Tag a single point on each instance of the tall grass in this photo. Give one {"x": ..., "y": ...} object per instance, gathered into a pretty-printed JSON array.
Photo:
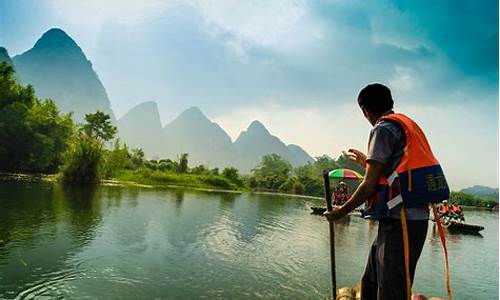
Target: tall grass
[{"x": 147, "y": 176}]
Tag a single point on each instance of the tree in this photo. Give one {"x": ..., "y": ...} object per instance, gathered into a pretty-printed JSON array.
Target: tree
[
  {"x": 183, "y": 163},
  {"x": 232, "y": 174},
  {"x": 200, "y": 170},
  {"x": 137, "y": 158},
  {"x": 33, "y": 133},
  {"x": 115, "y": 160},
  {"x": 214, "y": 171},
  {"x": 82, "y": 160},
  {"x": 325, "y": 162},
  {"x": 86, "y": 154},
  {"x": 310, "y": 176},
  {"x": 98, "y": 125},
  {"x": 272, "y": 172},
  {"x": 344, "y": 161}
]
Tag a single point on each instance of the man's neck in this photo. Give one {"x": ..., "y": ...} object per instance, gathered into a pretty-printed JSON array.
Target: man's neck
[{"x": 384, "y": 114}]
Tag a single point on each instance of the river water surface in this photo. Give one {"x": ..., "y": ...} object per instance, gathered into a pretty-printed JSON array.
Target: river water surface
[{"x": 137, "y": 243}]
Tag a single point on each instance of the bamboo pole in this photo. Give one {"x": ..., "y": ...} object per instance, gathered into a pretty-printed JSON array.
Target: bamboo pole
[{"x": 328, "y": 199}]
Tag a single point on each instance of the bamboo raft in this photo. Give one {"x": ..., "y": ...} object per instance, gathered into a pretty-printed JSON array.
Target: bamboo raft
[
  {"x": 354, "y": 293},
  {"x": 456, "y": 227}
]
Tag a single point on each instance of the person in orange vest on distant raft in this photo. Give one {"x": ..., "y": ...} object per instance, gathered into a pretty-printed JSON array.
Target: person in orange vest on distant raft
[
  {"x": 457, "y": 211},
  {"x": 340, "y": 194},
  {"x": 444, "y": 209},
  {"x": 402, "y": 177}
]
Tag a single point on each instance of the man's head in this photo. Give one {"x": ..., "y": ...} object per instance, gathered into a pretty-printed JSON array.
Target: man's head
[{"x": 375, "y": 99}]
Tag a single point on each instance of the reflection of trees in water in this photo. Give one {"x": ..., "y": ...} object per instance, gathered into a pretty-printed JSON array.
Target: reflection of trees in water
[
  {"x": 83, "y": 205},
  {"x": 132, "y": 193},
  {"x": 179, "y": 197},
  {"x": 49, "y": 223},
  {"x": 113, "y": 195},
  {"x": 25, "y": 207},
  {"x": 227, "y": 200}
]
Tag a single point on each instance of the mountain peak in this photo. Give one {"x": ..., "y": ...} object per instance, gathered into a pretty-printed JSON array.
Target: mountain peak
[
  {"x": 147, "y": 105},
  {"x": 193, "y": 112},
  {"x": 257, "y": 127},
  {"x": 55, "y": 38},
  {"x": 148, "y": 108}
]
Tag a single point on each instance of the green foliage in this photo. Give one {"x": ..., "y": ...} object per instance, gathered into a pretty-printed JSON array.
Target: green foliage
[
  {"x": 98, "y": 125},
  {"x": 200, "y": 169},
  {"x": 87, "y": 160},
  {"x": 310, "y": 176},
  {"x": 82, "y": 160},
  {"x": 147, "y": 176},
  {"x": 214, "y": 171},
  {"x": 344, "y": 161},
  {"x": 271, "y": 173},
  {"x": 232, "y": 174},
  {"x": 325, "y": 162},
  {"x": 183, "y": 163},
  {"x": 292, "y": 185},
  {"x": 470, "y": 200},
  {"x": 137, "y": 158},
  {"x": 33, "y": 133},
  {"x": 115, "y": 160}
]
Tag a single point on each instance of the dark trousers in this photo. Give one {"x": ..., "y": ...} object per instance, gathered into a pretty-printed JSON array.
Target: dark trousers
[{"x": 384, "y": 277}]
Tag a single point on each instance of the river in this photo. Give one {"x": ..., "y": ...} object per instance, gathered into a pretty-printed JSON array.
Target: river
[{"x": 78, "y": 242}]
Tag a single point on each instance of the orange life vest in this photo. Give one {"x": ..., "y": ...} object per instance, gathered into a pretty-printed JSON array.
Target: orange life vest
[
  {"x": 417, "y": 180},
  {"x": 456, "y": 209}
]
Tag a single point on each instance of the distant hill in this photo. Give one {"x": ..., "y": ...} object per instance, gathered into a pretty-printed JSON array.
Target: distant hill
[
  {"x": 298, "y": 156},
  {"x": 58, "y": 69},
  {"x": 141, "y": 128},
  {"x": 482, "y": 191},
  {"x": 257, "y": 141},
  {"x": 205, "y": 141}
]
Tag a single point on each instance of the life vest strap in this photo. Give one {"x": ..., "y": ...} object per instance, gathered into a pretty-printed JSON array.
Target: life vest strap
[
  {"x": 442, "y": 236},
  {"x": 406, "y": 248}
]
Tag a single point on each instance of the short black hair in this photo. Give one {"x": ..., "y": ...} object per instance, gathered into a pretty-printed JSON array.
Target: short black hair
[{"x": 376, "y": 98}]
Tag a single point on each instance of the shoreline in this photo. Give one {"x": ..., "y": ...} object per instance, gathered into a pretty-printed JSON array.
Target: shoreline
[{"x": 52, "y": 178}]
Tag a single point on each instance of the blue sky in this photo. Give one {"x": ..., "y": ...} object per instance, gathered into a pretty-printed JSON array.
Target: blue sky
[{"x": 295, "y": 65}]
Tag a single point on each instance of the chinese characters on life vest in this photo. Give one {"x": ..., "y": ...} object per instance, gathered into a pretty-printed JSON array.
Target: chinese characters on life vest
[{"x": 435, "y": 182}]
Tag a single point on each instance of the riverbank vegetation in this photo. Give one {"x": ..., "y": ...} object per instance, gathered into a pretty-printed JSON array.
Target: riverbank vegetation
[
  {"x": 470, "y": 200},
  {"x": 37, "y": 138}
]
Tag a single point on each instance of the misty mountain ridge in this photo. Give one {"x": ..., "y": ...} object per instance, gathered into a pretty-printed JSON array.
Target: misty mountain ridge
[
  {"x": 482, "y": 191},
  {"x": 141, "y": 127},
  {"x": 257, "y": 141},
  {"x": 205, "y": 141},
  {"x": 58, "y": 69}
]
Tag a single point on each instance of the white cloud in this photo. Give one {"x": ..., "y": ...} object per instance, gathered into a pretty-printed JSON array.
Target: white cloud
[
  {"x": 404, "y": 80},
  {"x": 393, "y": 26},
  {"x": 96, "y": 11},
  {"x": 278, "y": 24},
  {"x": 455, "y": 133}
]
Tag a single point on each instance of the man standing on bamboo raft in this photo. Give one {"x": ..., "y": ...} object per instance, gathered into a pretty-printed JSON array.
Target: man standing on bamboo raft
[{"x": 402, "y": 177}]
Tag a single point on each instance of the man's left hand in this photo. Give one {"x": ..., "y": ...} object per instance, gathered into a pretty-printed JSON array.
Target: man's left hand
[{"x": 335, "y": 214}]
